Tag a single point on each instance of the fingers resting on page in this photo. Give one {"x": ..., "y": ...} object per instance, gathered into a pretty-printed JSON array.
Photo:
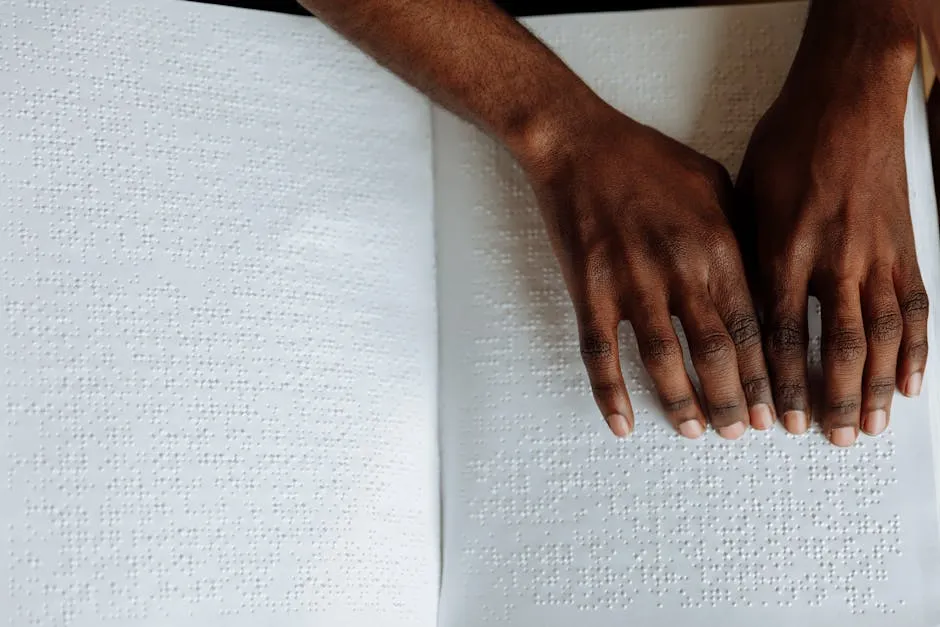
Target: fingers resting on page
[
  {"x": 644, "y": 228},
  {"x": 638, "y": 224},
  {"x": 823, "y": 210}
]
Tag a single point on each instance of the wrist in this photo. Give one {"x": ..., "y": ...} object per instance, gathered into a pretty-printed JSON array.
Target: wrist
[{"x": 549, "y": 128}]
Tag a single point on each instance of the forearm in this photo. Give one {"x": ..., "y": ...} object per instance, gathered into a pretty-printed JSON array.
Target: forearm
[
  {"x": 859, "y": 41},
  {"x": 928, "y": 17},
  {"x": 474, "y": 59}
]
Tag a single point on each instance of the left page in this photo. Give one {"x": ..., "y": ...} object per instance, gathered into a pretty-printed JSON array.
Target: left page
[{"x": 218, "y": 327}]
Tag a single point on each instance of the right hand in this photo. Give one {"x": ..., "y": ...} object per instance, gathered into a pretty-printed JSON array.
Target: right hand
[{"x": 637, "y": 222}]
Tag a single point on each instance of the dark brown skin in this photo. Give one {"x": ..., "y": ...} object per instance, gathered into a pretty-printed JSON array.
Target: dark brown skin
[
  {"x": 927, "y": 13},
  {"x": 638, "y": 221},
  {"x": 824, "y": 186}
]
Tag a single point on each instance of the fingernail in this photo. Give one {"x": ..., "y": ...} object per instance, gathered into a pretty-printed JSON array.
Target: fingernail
[
  {"x": 619, "y": 425},
  {"x": 761, "y": 416},
  {"x": 732, "y": 432},
  {"x": 842, "y": 436},
  {"x": 913, "y": 384},
  {"x": 691, "y": 429},
  {"x": 795, "y": 421},
  {"x": 876, "y": 421}
]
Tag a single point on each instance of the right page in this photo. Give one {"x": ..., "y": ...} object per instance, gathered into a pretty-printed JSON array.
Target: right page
[{"x": 548, "y": 520}]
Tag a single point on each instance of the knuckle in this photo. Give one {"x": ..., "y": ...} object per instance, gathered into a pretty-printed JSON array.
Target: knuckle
[
  {"x": 712, "y": 348},
  {"x": 607, "y": 388},
  {"x": 660, "y": 348},
  {"x": 724, "y": 409},
  {"x": 792, "y": 394},
  {"x": 744, "y": 330},
  {"x": 881, "y": 386},
  {"x": 845, "y": 406},
  {"x": 597, "y": 277},
  {"x": 886, "y": 326},
  {"x": 915, "y": 306},
  {"x": 756, "y": 387},
  {"x": 787, "y": 262},
  {"x": 916, "y": 350},
  {"x": 838, "y": 240},
  {"x": 691, "y": 276},
  {"x": 787, "y": 338},
  {"x": 708, "y": 178},
  {"x": 722, "y": 247},
  {"x": 678, "y": 403},
  {"x": 840, "y": 268},
  {"x": 596, "y": 347},
  {"x": 844, "y": 344}
]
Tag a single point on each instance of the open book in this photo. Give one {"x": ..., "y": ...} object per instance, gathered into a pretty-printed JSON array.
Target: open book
[{"x": 282, "y": 344}]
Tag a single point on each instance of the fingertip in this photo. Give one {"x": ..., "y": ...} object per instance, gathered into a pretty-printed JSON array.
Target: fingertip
[
  {"x": 619, "y": 425},
  {"x": 843, "y": 436},
  {"x": 692, "y": 429},
  {"x": 761, "y": 416},
  {"x": 796, "y": 422},
  {"x": 913, "y": 385},
  {"x": 732, "y": 431},
  {"x": 875, "y": 422}
]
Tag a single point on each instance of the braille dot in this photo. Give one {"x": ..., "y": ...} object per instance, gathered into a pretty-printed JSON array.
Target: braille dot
[
  {"x": 189, "y": 435},
  {"x": 194, "y": 437}
]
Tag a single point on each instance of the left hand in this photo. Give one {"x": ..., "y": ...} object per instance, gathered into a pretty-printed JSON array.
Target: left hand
[{"x": 824, "y": 193}]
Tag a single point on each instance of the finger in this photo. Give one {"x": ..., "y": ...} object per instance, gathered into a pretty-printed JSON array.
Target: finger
[
  {"x": 785, "y": 338},
  {"x": 883, "y": 328},
  {"x": 601, "y": 355},
  {"x": 713, "y": 355},
  {"x": 844, "y": 350},
  {"x": 734, "y": 305},
  {"x": 662, "y": 356},
  {"x": 912, "y": 358}
]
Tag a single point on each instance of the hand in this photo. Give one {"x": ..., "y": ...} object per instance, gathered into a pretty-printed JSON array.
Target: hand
[
  {"x": 824, "y": 187},
  {"x": 636, "y": 220}
]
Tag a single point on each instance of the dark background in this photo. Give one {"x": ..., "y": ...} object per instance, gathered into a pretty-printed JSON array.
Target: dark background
[{"x": 516, "y": 7}]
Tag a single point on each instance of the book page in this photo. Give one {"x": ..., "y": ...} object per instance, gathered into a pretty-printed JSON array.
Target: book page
[
  {"x": 219, "y": 345},
  {"x": 551, "y": 521}
]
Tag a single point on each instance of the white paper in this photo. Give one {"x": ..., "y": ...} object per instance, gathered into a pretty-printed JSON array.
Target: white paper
[
  {"x": 218, "y": 333},
  {"x": 547, "y": 519}
]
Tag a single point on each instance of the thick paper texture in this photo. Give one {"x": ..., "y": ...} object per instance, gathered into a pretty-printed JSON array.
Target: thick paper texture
[
  {"x": 547, "y": 519},
  {"x": 218, "y": 334}
]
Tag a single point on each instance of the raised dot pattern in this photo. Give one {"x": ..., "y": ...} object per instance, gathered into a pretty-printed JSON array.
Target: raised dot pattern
[
  {"x": 548, "y": 519},
  {"x": 217, "y": 324}
]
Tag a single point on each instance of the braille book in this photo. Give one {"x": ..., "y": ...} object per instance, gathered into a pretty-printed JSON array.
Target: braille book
[{"x": 284, "y": 345}]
